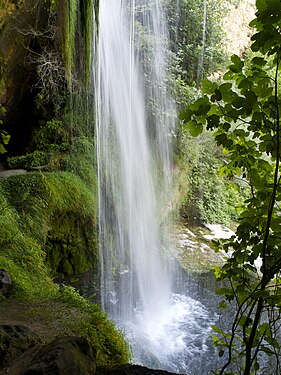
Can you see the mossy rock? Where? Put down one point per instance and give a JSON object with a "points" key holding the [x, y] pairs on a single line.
{"points": [[64, 355], [71, 244], [14, 341], [48, 223]]}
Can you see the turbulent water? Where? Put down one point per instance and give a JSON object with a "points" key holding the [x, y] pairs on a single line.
{"points": [[166, 326]]}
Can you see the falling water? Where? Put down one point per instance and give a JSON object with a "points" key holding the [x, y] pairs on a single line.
{"points": [[135, 115], [202, 52], [133, 270]]}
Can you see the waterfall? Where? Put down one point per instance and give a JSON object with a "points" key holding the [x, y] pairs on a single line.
{"points": [[133, 156], [200, 67], [135, 118]]}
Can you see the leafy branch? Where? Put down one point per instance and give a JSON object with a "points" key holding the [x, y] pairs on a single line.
{"points": [[244, 117]]}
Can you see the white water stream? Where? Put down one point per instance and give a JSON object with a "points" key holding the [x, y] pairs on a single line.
{"points": [[166, 327]]}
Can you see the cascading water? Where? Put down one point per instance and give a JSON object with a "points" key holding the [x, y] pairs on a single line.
{"points": [[202, 52], [135, 116], [128, 200]]}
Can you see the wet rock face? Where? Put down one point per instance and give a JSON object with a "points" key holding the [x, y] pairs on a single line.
{"points": [[5, 282]]}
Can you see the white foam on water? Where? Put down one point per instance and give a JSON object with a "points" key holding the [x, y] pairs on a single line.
{"points": [[173, 338]]}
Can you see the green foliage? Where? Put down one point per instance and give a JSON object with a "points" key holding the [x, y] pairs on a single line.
{"points": [[53, 132], [31, 206], [40, 208], [111, 346], [187, 42], [243, 113], [29, 161], [21, 254], [81, 166], [78, 47], [88, 29], [69, 37], [206, 195]]}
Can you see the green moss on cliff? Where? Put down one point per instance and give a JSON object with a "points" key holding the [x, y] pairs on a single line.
{"points": [[88, 26], [71, 245], [36, 210], [69, 36], [47, 225]]}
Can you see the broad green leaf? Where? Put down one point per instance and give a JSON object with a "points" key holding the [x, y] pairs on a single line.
{"points": [[199, 103], [228, 75], [245, 84], [208, 87], [251, 97], [238, 102], [229, 95], [260, 61], [261, 294], [213, 121], [217, 329], [215, 110], [194, 128], [222, 305], [267, 350], [226, 126], [225, 90], [257, 117], [185, 115], [237, 64]]}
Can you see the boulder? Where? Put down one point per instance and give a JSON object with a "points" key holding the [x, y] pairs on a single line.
{"points": [[15, 340], [64, 355], [5, 282]]}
